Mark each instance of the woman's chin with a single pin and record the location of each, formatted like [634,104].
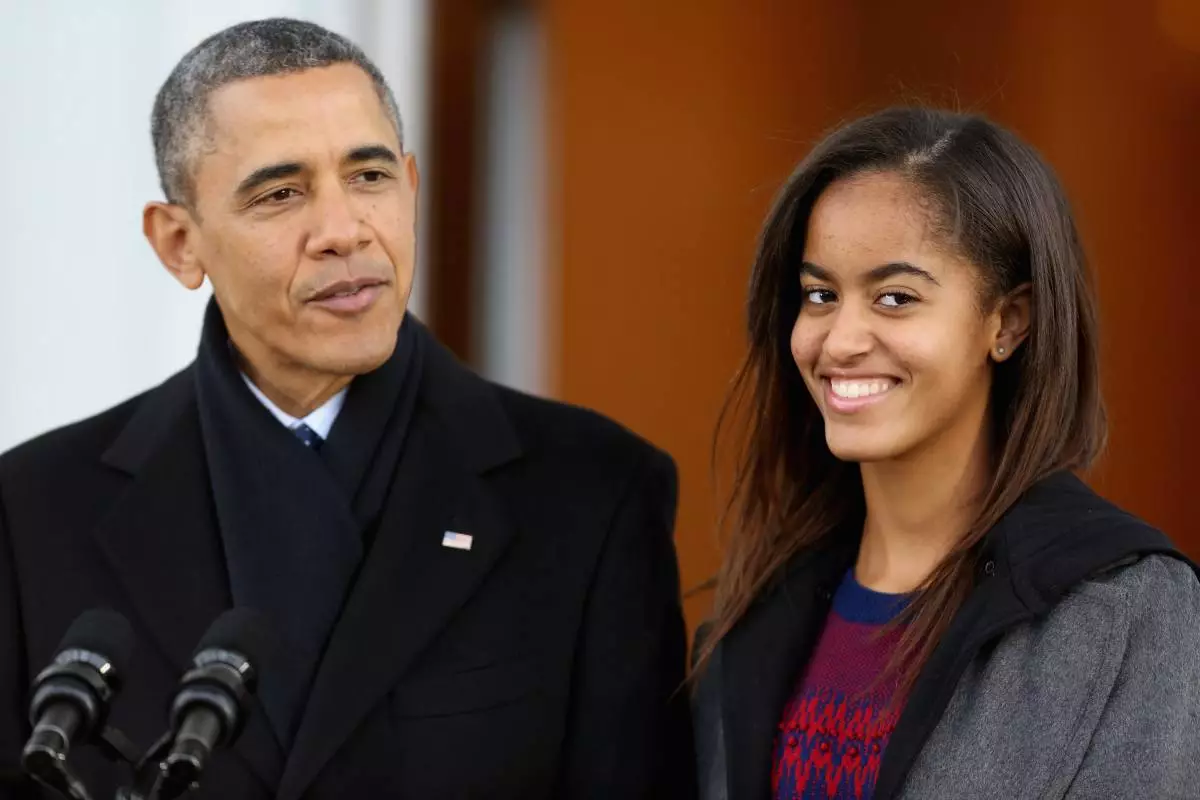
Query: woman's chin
[861,446]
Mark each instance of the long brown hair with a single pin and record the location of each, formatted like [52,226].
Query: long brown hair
[1001,206]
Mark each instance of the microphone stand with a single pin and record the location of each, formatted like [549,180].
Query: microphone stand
[150,779]
[113,745]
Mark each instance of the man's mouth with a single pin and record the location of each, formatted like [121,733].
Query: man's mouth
[348,297]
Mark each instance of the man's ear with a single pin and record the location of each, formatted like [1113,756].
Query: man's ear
[1012,317]
[411,173]
[171,231]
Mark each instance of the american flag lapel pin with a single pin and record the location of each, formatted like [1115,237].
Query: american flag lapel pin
[457,541]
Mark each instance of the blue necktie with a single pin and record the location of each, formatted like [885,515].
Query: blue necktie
[312,440]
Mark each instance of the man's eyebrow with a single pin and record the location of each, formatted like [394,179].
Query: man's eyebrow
[371,152]
[272,172]
[289,169]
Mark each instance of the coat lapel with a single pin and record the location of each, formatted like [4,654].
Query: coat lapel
[760,659]
[410,584]
[161,540]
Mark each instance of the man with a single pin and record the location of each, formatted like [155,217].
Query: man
[476,590]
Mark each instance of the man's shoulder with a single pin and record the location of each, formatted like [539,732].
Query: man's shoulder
[565,432]
[84,441]
[584,443]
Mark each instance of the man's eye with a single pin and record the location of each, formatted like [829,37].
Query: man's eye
[371,176]
[277,196]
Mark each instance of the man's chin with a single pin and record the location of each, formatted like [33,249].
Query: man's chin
[355,353]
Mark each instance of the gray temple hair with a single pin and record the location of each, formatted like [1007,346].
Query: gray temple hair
[256,49]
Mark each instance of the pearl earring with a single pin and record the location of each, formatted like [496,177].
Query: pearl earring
[1000,351]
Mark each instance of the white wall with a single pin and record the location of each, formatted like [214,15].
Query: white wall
[88,317]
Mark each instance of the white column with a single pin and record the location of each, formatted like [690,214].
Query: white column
[514,289]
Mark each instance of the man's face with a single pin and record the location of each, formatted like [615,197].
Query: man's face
[305,212]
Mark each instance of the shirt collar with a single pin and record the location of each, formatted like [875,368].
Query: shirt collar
[321,420]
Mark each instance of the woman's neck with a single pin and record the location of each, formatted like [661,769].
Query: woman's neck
[918,508]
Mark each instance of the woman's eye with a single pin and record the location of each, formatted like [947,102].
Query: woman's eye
[896,299]
[819,297]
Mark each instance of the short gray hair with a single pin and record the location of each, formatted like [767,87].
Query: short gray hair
[256,49]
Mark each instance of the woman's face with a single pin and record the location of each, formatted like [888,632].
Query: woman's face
[891,339]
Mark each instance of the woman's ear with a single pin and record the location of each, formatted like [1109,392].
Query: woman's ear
[1011,319]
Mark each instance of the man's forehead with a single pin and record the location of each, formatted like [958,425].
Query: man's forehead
[332,106]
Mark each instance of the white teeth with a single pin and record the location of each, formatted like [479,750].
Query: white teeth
[853,389]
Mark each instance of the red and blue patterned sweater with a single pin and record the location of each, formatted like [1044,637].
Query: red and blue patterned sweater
[836,726]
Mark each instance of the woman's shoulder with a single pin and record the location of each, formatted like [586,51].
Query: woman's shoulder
[1154,574]
[1144,611]
[1155,589]
[1061,534]
[1101,691]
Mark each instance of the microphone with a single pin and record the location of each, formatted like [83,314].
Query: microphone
[210,706]
[71,697]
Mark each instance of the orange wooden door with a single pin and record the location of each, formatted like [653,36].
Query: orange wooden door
[674,124]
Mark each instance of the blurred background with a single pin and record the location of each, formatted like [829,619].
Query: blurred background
[594,175]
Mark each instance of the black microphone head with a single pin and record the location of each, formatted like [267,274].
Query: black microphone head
[243,631]
[71,697]
[104,632]
[209,708]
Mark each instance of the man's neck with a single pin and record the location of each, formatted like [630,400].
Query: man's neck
[918,509]
[297,391]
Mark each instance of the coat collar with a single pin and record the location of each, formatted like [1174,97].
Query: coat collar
[477,423]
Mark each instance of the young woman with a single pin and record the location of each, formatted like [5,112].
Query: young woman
[919,598]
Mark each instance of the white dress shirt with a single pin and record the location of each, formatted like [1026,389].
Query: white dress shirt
[321,420]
